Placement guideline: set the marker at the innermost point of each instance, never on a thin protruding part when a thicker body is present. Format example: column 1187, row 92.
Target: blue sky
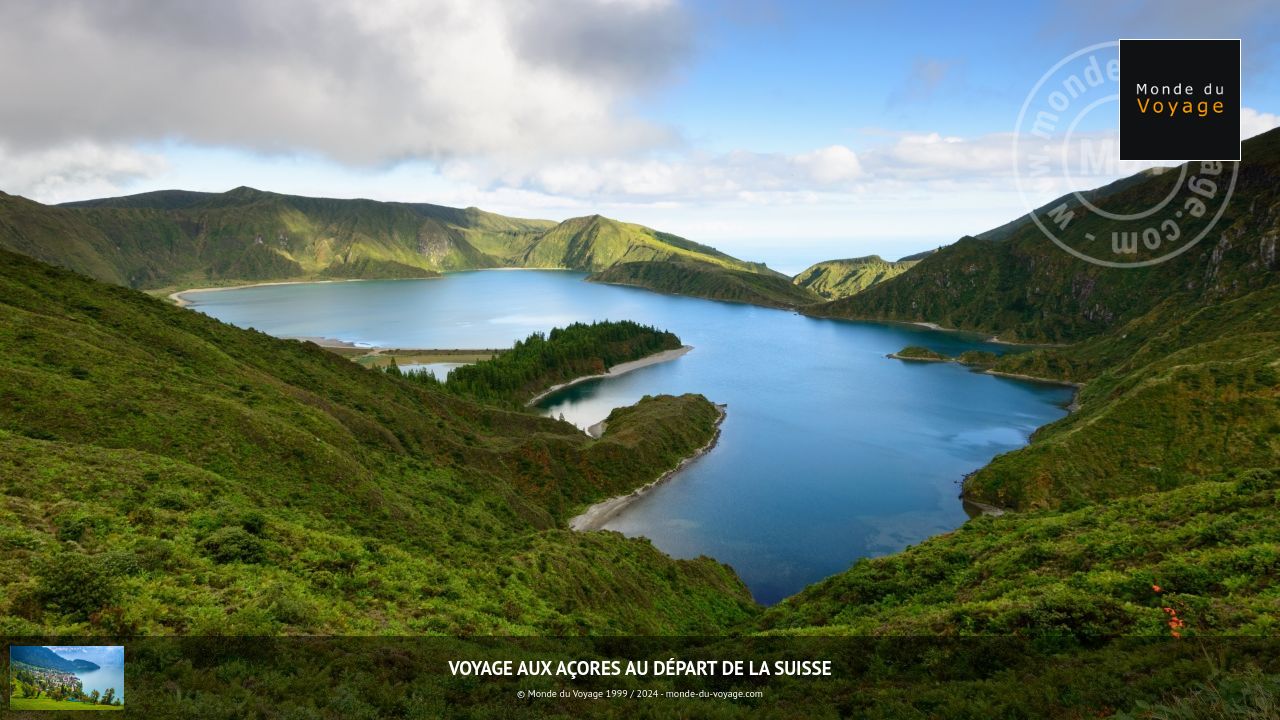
column 104, row 655
column 782, row 131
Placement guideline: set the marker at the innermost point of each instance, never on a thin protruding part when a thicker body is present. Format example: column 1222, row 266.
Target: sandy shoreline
column 180, row 301
column 177, row 297
column 616, row 370
column 594, row 517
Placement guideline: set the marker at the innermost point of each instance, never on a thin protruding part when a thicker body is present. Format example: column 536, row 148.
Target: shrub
column 153, row 554
column 73, row 527
column 74, row 584
column 233, row 544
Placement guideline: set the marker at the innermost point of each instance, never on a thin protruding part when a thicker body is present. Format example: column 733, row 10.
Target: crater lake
column 829, row 452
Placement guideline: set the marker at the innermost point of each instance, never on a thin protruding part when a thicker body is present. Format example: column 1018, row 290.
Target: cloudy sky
column 782, row 131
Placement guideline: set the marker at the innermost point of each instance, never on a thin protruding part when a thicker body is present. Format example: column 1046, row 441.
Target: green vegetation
column 17, row 703
column 385, row 357
column 834, row 279
column 596, row 243
column 39, row 688
column 978, row 358
column 1014, row 283
column 714, row 282
column 1173, row 397
column 1085, row 574
column 190, row 477
column 175, row 239
column 916, row 352
column 543, row 360
column 1148, row 512
column 163, row 473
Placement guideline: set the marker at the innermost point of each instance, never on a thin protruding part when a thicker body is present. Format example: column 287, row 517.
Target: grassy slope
column 178, row 238
column 44, row 704
column 595, row 243
column 221, row 481
column 1025, row 288
column 1212, row 547
column 705, row 280
column 1174, row 396
column 1179, row 360
column 1167, row 474
column 832, row 279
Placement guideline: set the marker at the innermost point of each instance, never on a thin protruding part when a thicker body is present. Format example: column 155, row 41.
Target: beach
column 619, row 369
column 594, row 517
column 180, row 301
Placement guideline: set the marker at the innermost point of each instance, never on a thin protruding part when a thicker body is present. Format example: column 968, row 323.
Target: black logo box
column 1185, row 67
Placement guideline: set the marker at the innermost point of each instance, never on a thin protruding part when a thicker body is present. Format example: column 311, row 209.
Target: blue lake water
column 830, row 451
column 103, row 678
column 110, row 673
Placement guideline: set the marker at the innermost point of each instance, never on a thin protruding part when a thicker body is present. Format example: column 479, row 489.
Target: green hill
column 1146, row 513
column 832, row 279
column 1179, row 360
column 1025, row 288
column 1172, row 397
column 711, row 281
column 1083, row 574
column 166, row 473
column 595, row 243
column 179, row 238
column 1181, row 398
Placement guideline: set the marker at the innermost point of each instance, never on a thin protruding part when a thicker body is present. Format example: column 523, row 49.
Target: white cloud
column 75, row 170
column 830, row 165
column 360, row 82
column 692, row 177
column 1253, row 122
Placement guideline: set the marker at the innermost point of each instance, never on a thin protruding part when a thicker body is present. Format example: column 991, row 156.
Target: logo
column 1180, row 99
column 1110, row 212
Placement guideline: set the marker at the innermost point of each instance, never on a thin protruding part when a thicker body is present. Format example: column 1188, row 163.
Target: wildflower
column 1155, row 588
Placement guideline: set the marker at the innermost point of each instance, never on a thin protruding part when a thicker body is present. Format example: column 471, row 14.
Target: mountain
column 1180, row 366
column 43, row 657
column 1174, row 396
column 595, row 243
column 1018, row 284
column 167, row 473
column 756, row 285
column 1143, row 517
column 180, row 238
column 1178, row 360
column 918, row 256
column 834, row 279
